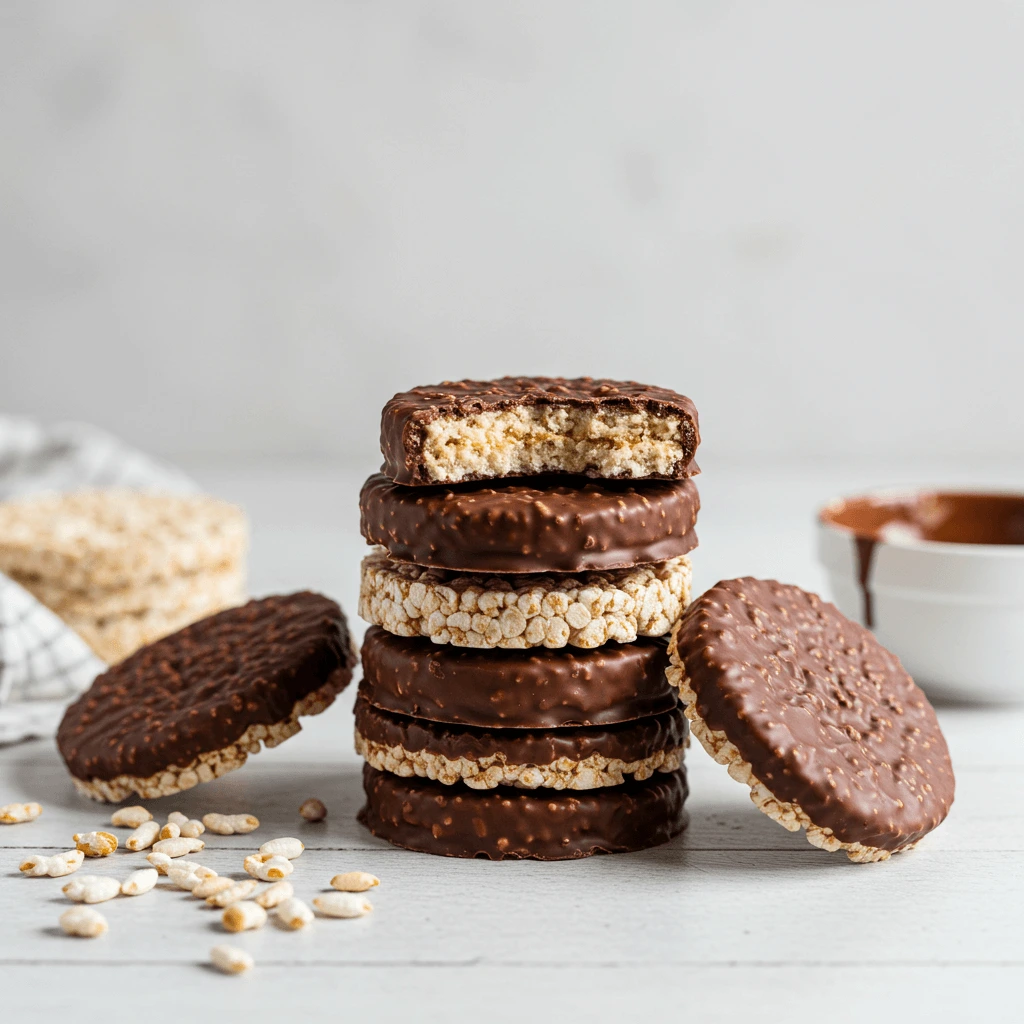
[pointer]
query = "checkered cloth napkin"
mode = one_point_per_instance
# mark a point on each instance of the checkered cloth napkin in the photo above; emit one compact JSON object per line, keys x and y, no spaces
{"x":44,"y":664}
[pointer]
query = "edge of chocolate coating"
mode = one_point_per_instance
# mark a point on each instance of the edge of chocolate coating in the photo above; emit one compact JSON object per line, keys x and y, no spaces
{"x":198,"y":690}
{"x":406,"y":413}
{"x":625,"y":741}
{"x":827,"y":718}
{"x":536,"y":688}
{"x":549,"y":524}
{"x":507,"y":824}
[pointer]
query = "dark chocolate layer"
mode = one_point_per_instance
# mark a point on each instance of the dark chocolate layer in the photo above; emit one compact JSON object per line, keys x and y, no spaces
{"x":547,"y":525}
{"x":627,"y":741}
{"x":537,"y":688}
{"x":826,"y":716}
{"x":404,"y":416}
{"x":198,"y":690}
{"x":429,"y":817}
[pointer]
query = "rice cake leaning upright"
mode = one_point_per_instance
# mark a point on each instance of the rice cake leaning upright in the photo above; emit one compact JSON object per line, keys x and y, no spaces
{"x":124,"y":568}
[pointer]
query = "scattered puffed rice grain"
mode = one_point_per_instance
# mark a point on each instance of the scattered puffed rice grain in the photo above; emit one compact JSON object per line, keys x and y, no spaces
{"x":83,"y":922}
{"x":238,"y":892}
{"x":130,"y":817}
{"x":293,"y":913}
{"x":354,"y":881}
{"x":36,"y":866}
{"x":160,"y":861}
{"x":313,"y":809}
{"x":95,"y":844}
{"x":192,"y":829}
{"x":243,"y":916}
{"x":178,"y":847}
{"x":286,"y":847}
{"x":144,"y":836}
{"x":139,"y":882}
{"x":276,"y":894}
{"x":274,"y":869}
{"x":231,"y":824}
{"x":99,"y":890}
{"x":208,"y":887}
{"x":177,"y":818}
{"x":253,"y":863}
{"x":17,"y":814}
{"x":75,"y":889}
{"x":61,"y":864}
{"x":342,"y":904}
{"x":230,"y":959}
{"x":170,"y":831}
{"x":183,"y":878}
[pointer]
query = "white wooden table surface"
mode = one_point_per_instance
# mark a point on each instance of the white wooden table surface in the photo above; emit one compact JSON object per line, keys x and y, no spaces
{"x":735,"y":920}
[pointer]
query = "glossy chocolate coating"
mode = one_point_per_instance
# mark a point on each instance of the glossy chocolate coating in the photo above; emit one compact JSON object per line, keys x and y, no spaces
{"x":402,"y":436}
{"x":455,"y":821}
{"x":627,"y":741}
{"x":198,"y":690}
{"x":555,"y":524}
{"x":826,"y":716}
{"x":537,"y":688}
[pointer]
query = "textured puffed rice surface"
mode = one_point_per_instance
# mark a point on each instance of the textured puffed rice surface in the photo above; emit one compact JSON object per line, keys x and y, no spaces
{"x":539,"y":439}
{"x":584,"y":610}
{"x":112,"y":538}
{"x":593,"y":772}
{"x":791,"y":816}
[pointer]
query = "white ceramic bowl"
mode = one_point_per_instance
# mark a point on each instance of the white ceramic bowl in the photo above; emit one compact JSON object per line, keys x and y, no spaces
{"x":952,"y":612}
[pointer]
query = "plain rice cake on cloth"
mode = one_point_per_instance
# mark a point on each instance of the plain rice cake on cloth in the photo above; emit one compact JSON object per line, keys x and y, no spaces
{"x":525,"y":426}
{"x":821,"y":722}
{"x":194,"y":705}
{"x":125,"y":567}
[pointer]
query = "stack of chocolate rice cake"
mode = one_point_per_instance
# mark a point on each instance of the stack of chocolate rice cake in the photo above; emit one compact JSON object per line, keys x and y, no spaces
{"x":532,"y":539}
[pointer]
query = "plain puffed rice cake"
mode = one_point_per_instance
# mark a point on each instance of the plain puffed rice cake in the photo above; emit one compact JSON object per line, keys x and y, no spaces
{"x":584,"y":610}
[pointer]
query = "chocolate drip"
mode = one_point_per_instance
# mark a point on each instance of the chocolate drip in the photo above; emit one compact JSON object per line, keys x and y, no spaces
{"x":865,"y":556}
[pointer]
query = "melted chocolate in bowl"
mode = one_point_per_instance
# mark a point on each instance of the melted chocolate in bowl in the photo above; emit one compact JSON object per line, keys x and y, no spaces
{"x":944,"y":517}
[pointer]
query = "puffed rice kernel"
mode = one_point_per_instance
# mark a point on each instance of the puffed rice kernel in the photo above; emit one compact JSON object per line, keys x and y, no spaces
{"x":144,"y":836}
{"x":160,"y":861}
{"x":130,"y":817}
{"x":36,"y":866}
{"x":60,"y":864}
{"x":16,"y":814}
{"x":83,"y":922}
{"x":342,"y":904}
{"x":139,"y":882}
{"x":266,"y":868}
{"x":231,"y":824}
{"x":192,"y":829}
{"x":208,"y":887}
{"x":243,"y":916}
{"x":293,"y":913}
{"x":313,"y":809}
{"x":92,"y":889}
{"x":177,"y":818}
{"x":275,"y":894}
{"x":170,"y":831}
{"x":178,"y":847}
{"x":354,"y":881}
{"x":95,"y":844}
{"x":231,"y":959}
{"x":287,"y":847}
{"x":238,"y":892}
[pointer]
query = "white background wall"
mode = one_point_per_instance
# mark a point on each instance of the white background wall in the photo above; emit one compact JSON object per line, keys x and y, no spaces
{"x":238,"y":227}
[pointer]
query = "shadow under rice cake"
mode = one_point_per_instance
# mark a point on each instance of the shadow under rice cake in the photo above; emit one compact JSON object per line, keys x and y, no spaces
{"x":812,"y":713}
{"x":192,"y":706}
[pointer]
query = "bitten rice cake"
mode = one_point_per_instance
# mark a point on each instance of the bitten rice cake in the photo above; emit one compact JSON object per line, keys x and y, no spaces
{"x":524,"y":426}
{"x":194,"y":705}
{"x":584,"y":610}
{"x":814,"y":715}
{"x":512,"y":824}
